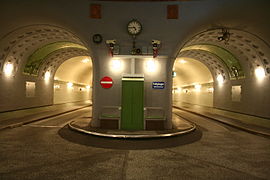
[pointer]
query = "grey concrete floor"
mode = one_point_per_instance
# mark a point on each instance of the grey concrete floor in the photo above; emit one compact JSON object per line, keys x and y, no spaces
{"x":49,"y":150}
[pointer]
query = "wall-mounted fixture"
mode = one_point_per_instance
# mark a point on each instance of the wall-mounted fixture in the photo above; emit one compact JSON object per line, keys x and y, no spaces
{"x":97,"y":38}
{"x":69,"y":85}
{"x":56,"y":86}
{"x":197,"y":87}
{"x":225,"y":35}
{"x":86,"y":60}
{"x":156,"y":47}
{"x":151,"y":65}
{"x":134,"y":28}
{"x":8,"y":69}
{"x":235,"y":71}
{"x":210,"y":89}
{"x":116,"y":65}
{"x":220,"y":79}
{"x":47,"y":76}
{"x":111,"y":44}
{"x":260,"y":73}
{"x":182,"y":61}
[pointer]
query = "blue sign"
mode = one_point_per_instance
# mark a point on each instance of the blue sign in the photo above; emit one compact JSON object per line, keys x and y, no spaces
{"x":158,"y":85}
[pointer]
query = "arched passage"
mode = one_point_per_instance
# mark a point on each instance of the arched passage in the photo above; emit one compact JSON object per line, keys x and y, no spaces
{"x":240,"y":66}
{"x":29,"y":58}
{"x":192,"y":83}
{"x":73,"y":80}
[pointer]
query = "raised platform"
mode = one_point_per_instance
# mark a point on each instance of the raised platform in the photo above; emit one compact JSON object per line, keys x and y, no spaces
{"x":180,"y":127}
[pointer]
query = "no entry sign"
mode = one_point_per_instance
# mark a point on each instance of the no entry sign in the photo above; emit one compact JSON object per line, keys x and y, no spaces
{"x":106,"y":82}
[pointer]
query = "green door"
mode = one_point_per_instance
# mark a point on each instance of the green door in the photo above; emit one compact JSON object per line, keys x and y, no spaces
{"x":132,"y":117}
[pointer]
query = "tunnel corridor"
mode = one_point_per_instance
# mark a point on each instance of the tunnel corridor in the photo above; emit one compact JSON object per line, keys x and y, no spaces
{"x":125,"y":89}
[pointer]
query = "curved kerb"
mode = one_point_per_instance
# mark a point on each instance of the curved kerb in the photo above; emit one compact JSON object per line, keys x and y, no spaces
{"x":130,"y":136}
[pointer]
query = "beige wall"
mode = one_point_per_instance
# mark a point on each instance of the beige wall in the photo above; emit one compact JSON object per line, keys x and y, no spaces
{"x":64,"y":94}
{"x":203,"y":97}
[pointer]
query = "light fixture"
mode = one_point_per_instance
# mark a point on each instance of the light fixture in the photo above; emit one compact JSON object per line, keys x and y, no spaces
{"x":220,"y":79}
{"x":151,"y":65}
{"x":182,"y":61}
{"x":197,"y":87}
{"x":87,"y":87}
{"x":86,"y":60}
{"x":8,"y":69}
{"x":82,"y":89}
{"x":210,"y":89}
{"x":69,"y":84}
{"x":225,"y":35}
{"x":47,"y":76}
{"x":259,"y":73}
{"x":56,"y":86}
{"x":185,"y":90}
{"x":116,"y":65}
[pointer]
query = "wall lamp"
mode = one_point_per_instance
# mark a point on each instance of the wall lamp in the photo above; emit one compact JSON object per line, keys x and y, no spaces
{"x":259,"y":73}
{"x":8,"y":69}
{"x":47,"y":76}
{"x":225,"y":35}
{"x":220,"y":79}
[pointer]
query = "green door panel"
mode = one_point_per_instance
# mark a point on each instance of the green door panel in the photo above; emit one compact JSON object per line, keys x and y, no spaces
{"x":132,"y":117}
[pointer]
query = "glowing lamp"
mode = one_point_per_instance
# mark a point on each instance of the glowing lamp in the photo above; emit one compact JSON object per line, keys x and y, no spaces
{"x":86,"y":60}
{"x":47,"y":76}
{"x":69,"y":85}
{"x":151,"y":65}
{"x":8,"y":69}
{"x":259,"y":73}
{"x":198,"y":87}
{"x":220,"y":79}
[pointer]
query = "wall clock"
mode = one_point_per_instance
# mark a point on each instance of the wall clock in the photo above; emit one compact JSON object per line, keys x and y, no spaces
{"x":97,"y":38}
{"x":134,"y":27}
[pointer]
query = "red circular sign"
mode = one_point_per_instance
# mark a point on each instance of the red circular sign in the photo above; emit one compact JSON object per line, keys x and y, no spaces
{"x":106,"y":82}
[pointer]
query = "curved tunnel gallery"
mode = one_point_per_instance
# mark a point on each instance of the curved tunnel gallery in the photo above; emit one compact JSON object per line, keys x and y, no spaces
{"x":207,"y":72}
{"x":147,"y":89}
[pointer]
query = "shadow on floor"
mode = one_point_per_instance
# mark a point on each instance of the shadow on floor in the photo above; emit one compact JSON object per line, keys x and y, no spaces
{"x":129,"y":144}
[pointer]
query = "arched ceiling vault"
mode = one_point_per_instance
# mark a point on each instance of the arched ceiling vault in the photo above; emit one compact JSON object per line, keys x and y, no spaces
{"x":244,"y":50}
{"x":32,"y":48}
{"x":75,"y":70}
{"x":190,"y":71}
{"x":231,"y":63}
{"x":34,"y":61}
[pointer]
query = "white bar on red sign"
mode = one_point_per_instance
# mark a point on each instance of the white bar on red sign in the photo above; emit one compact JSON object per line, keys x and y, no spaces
{"x":106,"y":82}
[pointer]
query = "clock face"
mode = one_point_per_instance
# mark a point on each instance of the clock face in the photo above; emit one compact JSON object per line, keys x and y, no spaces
{"x":134,"y":27}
